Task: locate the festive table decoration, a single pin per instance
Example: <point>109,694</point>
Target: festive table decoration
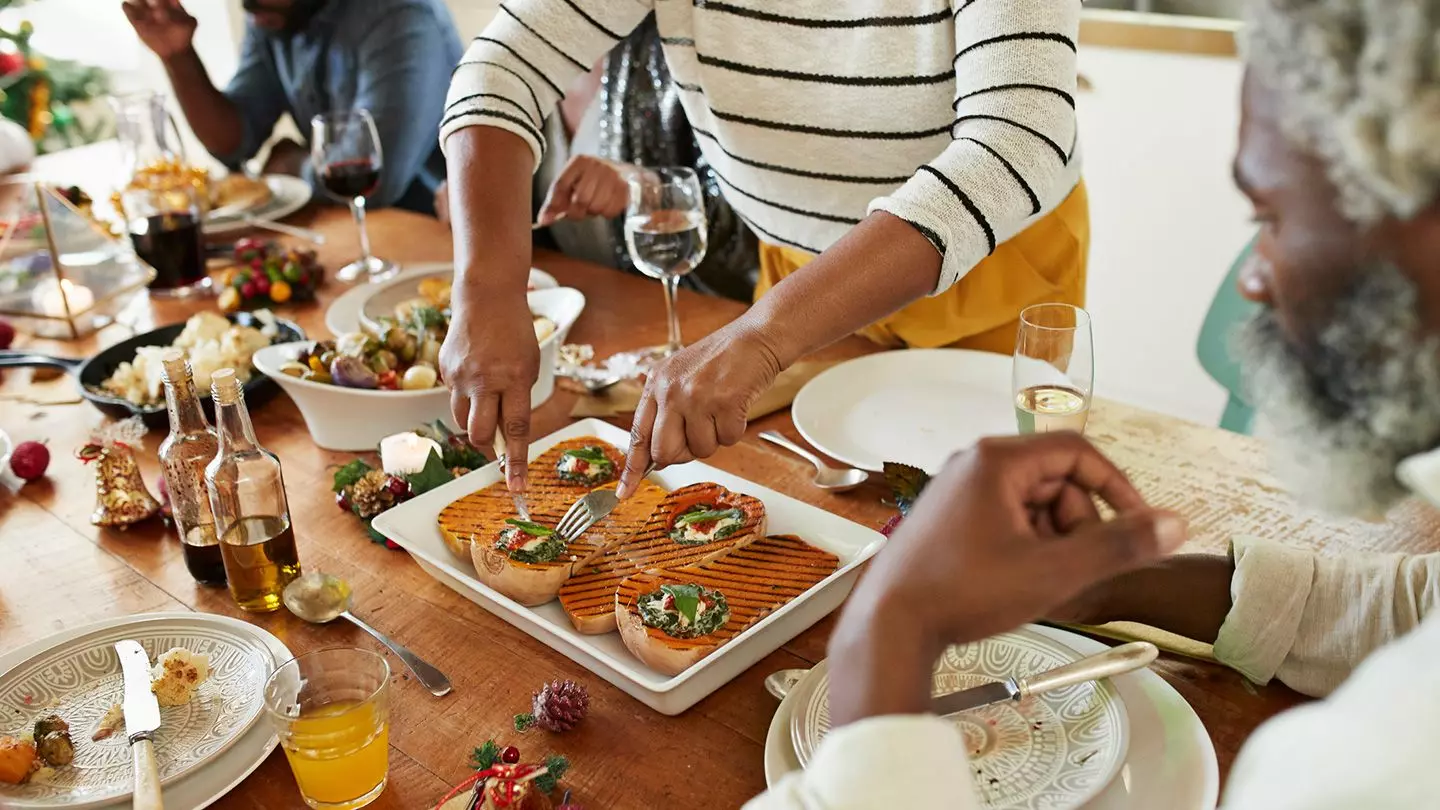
<point>266,274</point>
<point>906,483</point>
<point>411,464</point>
<point>120,494</point>
<point>39,93</point>
<point>502,783</point>
<point>558,706</point>
<point>29,460</point>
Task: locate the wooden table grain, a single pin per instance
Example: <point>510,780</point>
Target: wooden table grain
<point>57,571</point>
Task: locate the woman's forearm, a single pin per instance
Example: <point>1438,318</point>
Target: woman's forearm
<point>488,171</point>
<point>881,265</point>
<point>1188,595</point>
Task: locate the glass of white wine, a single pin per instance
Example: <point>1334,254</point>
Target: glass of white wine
<point>1054,369</point>
<point>665,232</point>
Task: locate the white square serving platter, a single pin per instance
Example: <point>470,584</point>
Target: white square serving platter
<point>412,525</point>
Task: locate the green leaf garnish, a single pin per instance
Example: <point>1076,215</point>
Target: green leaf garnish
<point>702,517</point>
<point>591,454</point>
<point>349,474</point>
<point>532,529</point>
<point>906,483</point>
<point>422,318</point>
<point>432,475</point>
<point>687,599</point>
<point>555,768</point>
<point>485,756</point>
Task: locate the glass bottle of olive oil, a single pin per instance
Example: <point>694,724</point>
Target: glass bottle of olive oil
<point>247,495</point>
<point>183,456</point>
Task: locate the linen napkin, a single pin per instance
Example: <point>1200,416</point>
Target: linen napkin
<point>623,397</point>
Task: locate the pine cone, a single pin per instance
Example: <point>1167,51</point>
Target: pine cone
<point>558,706</point>
<point>370,495</point>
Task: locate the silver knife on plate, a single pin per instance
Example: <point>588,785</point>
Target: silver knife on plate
<point>1115,661</point>
<point>142,718</point>
<point>518,498</point>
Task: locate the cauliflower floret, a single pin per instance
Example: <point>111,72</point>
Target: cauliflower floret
<point>203,327</point>
<point>177,674</point>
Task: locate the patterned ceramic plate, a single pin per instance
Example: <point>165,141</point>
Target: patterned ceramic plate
<point>80,680</point>
<point>1048,753</point>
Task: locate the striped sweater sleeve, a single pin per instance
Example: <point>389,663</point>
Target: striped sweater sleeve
<point>1014,133</point>
<point>513,74</point>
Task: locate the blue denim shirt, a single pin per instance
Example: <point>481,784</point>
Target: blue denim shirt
<point>392,57</point>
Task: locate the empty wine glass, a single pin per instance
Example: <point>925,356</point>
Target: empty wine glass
<point>346,153</point>
<point>665,232</point>
<point>1054,372</point>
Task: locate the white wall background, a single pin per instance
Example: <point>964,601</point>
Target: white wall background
<point>1158,133</point>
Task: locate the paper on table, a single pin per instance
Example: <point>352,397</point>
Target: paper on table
<point>623,397</point>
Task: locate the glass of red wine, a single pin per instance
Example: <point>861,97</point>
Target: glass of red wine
<point>164,224</point>
<point>347,158</point>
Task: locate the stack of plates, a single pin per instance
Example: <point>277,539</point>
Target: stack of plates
<point>1124,744</point>
<point>203,749</point>
<point>287,195</point>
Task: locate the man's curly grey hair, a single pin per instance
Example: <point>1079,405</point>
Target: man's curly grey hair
<point>1361,81</point>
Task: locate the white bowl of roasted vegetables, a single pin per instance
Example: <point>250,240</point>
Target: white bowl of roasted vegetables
<point>359,388</point>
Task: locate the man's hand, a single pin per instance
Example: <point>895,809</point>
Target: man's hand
<point>696,401</point>
<point>587,187</point>
<point>489,361</point>
<point>1005,534</point>
<point>163,25</point>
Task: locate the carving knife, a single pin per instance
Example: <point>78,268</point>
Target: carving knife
<point>518,498</point>
<point>1115,661</point>
<point>142,718</point>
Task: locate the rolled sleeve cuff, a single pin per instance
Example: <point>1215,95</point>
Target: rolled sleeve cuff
<point>923,204</point>
<point>898,761</point>
<point>1268,592</point>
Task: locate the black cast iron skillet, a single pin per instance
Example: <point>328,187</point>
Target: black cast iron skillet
<point>90,373</point>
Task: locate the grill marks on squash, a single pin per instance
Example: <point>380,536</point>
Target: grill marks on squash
<point>756,581</point>
<point>479,516</point>
<point>591,591</point>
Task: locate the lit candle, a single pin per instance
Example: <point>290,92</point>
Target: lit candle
<point>50,297</point>
<point>406,453</point>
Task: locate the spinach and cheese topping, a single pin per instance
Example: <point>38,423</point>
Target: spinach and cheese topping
<point>585,465</point>
<point>703,523</point>
<point>684,611</point>
<point>529,542</point>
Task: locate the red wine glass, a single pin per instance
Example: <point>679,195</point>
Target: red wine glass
<point>346,152</point>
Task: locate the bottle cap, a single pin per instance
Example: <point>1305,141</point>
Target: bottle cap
<point>225,386</point>
<point>174,366</point>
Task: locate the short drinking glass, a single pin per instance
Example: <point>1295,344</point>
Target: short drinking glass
<point>1054,369</point>
<point>345,151</point>
<point>666,233</point>
<point>330,709</point>
<point>164,225</point>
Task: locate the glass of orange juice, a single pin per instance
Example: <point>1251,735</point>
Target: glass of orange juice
<point>330,709</point>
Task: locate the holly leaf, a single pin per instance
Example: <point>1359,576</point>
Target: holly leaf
<point>432,475</point>
<point>687,599</point>
<point>349,474</point>
<point>555,768</point>
<point>485,756</point>
<point>906,483</point>
<point>592,454</point>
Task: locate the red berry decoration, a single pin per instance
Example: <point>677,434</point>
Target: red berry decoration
<point>7,334</point>
<point>890,525</point>
<point>558,706</point>
<point>342,502</point>
<point>398,486</point>
<point>510,755</point>
<point>30,460</point>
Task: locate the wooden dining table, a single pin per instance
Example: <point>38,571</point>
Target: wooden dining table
<point>57,571</point>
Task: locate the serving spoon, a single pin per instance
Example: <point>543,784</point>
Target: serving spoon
<point>320,598</point>
<point>826,477</point>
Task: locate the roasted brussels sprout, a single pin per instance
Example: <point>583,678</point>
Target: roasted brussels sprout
<point>352,372</point>
<point>52,741</point>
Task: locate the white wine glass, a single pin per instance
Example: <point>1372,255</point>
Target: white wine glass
<point>665,232</point>
<point>345,151</point>
<point>1054,373</point>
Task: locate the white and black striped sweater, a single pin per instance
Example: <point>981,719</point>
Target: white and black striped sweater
<point>958,117</point>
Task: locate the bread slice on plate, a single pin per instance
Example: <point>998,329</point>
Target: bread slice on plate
<point>483,513</point>
<point>690,526</point>
<point>726,596</point>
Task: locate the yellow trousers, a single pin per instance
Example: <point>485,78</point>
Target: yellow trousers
<point>1045,263</point>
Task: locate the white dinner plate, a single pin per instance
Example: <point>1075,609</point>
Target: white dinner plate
<point>413,526</point>
<point>1170,762</point>
<point>343,316</point>
<point>914,406</point>
<point>222,770</point>
<point>287,195</point>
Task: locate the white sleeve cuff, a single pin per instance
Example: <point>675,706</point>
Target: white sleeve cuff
<point>1269,592</point>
